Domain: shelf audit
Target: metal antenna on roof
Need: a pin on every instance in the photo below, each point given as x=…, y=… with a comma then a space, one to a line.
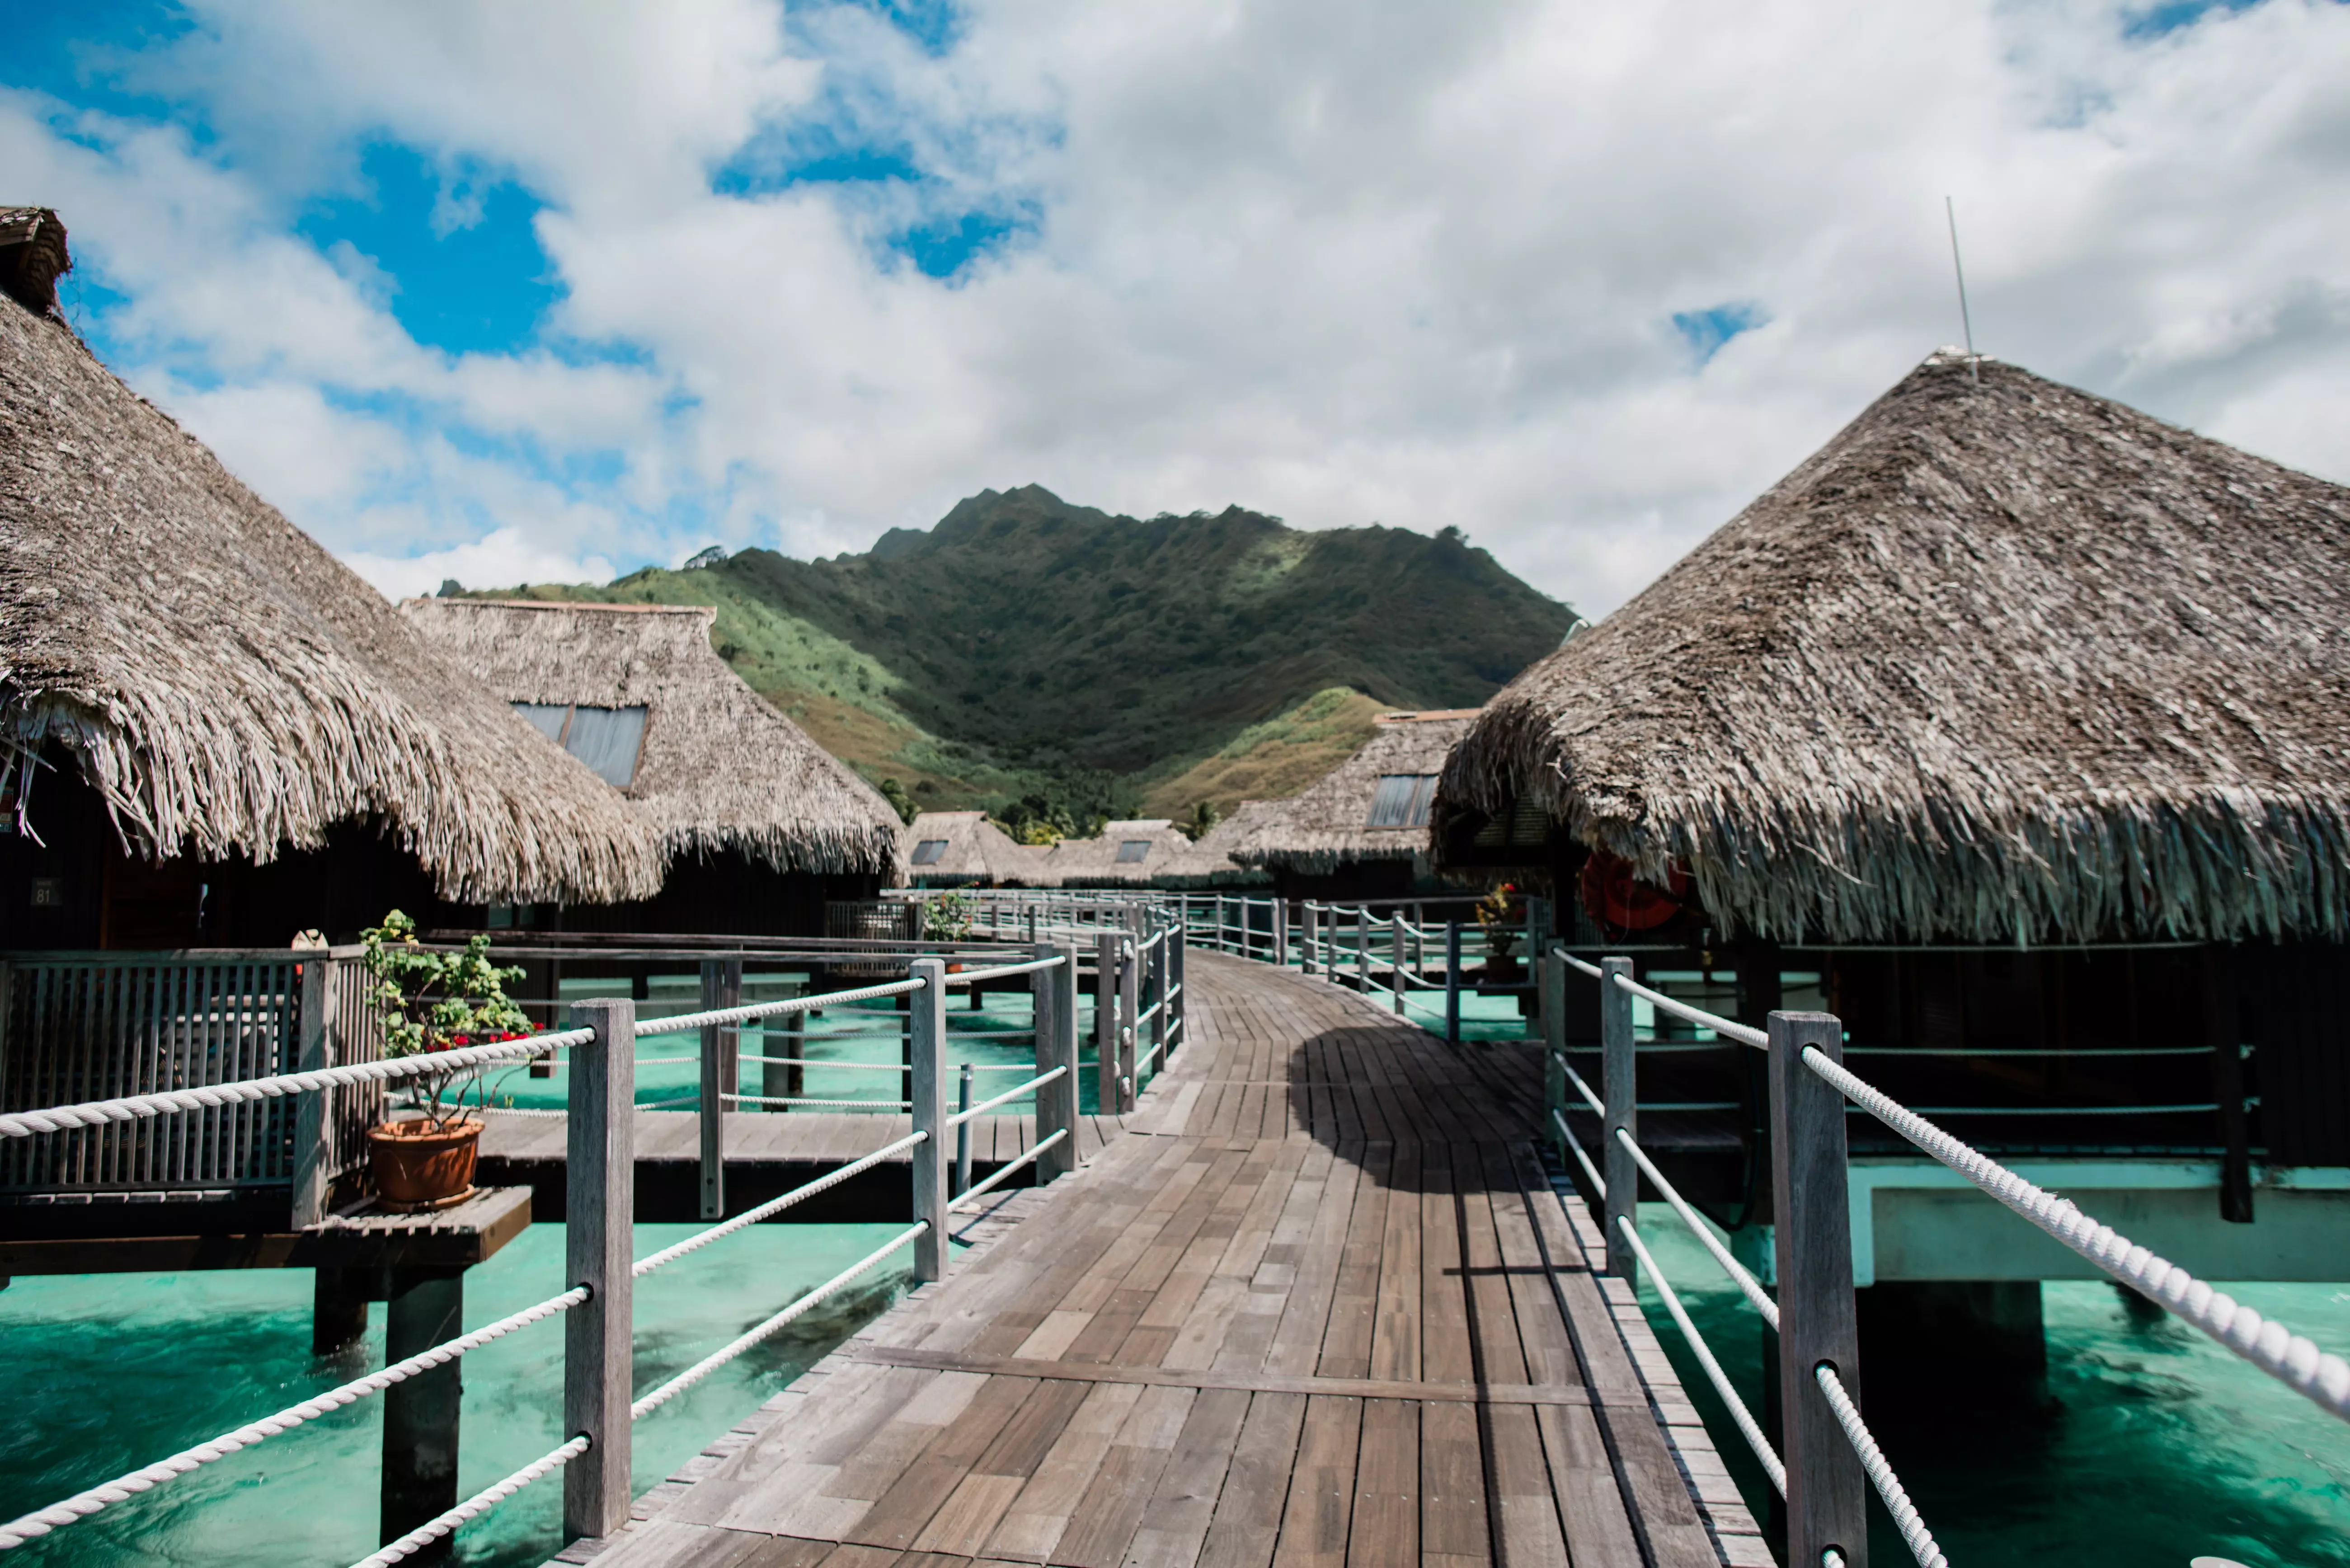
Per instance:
x=1966, y=320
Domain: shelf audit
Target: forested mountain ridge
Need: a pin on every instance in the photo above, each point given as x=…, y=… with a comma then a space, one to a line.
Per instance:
x=1024, y=639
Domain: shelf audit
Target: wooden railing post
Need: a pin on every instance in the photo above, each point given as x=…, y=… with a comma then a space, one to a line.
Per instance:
x=1363, y=949
x=1178, y=1027
x=1105, y=1023
x=927, y=1086
x=1309, y=963
x=313, y=1109
x=1055, y=993
x=1280, y=931
x=599, y=1203
x=1619, y=1091
x=1827, y=1490
x=1552, y=978
x=1396, y=950
x=722, y=986
x=1129, y=992
x=1451, y=981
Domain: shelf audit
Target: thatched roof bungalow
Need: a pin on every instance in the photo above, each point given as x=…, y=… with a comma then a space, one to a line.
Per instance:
x=1360, y=830
x=213, y=729
x=2003, y=668
x=965, y=849
x=739, y=797
x=1132, y=853
x=2003, y=663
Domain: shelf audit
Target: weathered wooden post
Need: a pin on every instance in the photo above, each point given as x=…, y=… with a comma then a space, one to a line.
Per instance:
x=1827, y=1490
x=927, y=1087
x=1619, y=1091
x=1395, y=956
x=1105, y=1023
x=1280, y=932
x=787, y=1079
x=1553, y=980
x=1451, y=981
x=722, y=986
x=1363, y=949
x=600, y=1202
x=1055, y=993
x=1311, y=954
x=1179, y=1032
x=1130, y=991
x=321, y=990
x=1154, y=998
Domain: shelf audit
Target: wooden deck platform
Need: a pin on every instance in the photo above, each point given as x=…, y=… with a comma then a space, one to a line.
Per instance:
x=1318, y=1306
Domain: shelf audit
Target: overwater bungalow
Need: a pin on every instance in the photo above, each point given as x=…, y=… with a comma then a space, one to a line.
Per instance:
x=761, y=826
x=965, y=849
x=1138, y=852
x=2013, y=726
x=215, y=734
x=1361, y=830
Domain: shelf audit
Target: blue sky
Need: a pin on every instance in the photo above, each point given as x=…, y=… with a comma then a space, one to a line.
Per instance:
x=488, y=293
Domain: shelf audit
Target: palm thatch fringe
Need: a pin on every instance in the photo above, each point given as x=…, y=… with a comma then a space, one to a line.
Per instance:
x=229, y=687
x=975, y=852
x=719, y=771
x=1328, y=824
x=2004, y=662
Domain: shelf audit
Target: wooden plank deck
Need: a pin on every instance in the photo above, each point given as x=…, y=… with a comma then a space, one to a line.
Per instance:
x=1319, y=1307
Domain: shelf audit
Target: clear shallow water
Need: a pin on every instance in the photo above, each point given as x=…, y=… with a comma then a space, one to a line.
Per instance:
x=101, y=1373
x=2147, y=1445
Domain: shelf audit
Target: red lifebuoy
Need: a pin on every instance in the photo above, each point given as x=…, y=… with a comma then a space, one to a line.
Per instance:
x=1618, y=900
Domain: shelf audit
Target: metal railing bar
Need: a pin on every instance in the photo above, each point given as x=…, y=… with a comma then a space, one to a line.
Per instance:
x=978, y=1189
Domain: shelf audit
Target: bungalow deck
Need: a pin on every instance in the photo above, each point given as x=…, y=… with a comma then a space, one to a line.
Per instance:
x=1316, y=1302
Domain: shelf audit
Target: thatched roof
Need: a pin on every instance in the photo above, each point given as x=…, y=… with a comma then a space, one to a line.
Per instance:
x=719, y=770
x=974, y=852
x=2002, y=662
x=231, y=689
x=1096, y=862
x=1329, y=823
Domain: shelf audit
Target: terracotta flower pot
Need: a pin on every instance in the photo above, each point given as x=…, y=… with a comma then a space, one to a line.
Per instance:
x=954, y=969
x=416, y=1167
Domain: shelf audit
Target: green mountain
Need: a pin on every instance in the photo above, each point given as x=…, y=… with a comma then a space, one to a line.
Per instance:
x=1027, y=646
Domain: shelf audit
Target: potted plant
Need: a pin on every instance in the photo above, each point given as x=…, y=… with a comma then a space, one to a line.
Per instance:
x=947, y=919
x=1503, y=919
x=434, y=1002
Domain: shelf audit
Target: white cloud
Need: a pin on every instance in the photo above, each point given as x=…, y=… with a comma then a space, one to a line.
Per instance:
x=1378, y=260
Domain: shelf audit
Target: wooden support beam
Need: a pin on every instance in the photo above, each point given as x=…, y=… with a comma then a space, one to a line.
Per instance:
x=1619, y=1091
x=1054, y=991
x=722, y=986
x=426, y=1307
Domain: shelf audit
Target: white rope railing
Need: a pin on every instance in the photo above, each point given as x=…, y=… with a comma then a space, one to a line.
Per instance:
x=481, y=1502
x=718, y=1358
x=701, y=1239
x=719, y=1017
x=82, y=1504
x=1748, y=1285
x=1728, y=1028
x=1889, y=1486
x=2288, y=1358
x=1004, y=971
x=803, y=1100
x=1574, y=1147
x=1748, y=1427
x=208, y=1097
x=980, y=1188
x=1013, y=1093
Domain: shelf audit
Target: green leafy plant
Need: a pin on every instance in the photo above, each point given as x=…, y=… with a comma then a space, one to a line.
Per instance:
x=434, y=1002
x=947, y=918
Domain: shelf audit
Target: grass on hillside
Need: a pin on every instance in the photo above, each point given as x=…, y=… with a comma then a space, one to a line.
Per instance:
x=1271, y=760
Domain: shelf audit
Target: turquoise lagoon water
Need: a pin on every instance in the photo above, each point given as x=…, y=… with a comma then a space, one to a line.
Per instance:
x=2147, y=1445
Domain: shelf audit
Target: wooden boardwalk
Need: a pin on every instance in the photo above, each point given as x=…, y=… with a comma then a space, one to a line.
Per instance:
x=1317, y=1307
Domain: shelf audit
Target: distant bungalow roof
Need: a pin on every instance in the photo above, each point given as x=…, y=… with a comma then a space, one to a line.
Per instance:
x=1347, y=815
x=958, y=848
x=2002, y=662
x=227, y=686
x=710, y=762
